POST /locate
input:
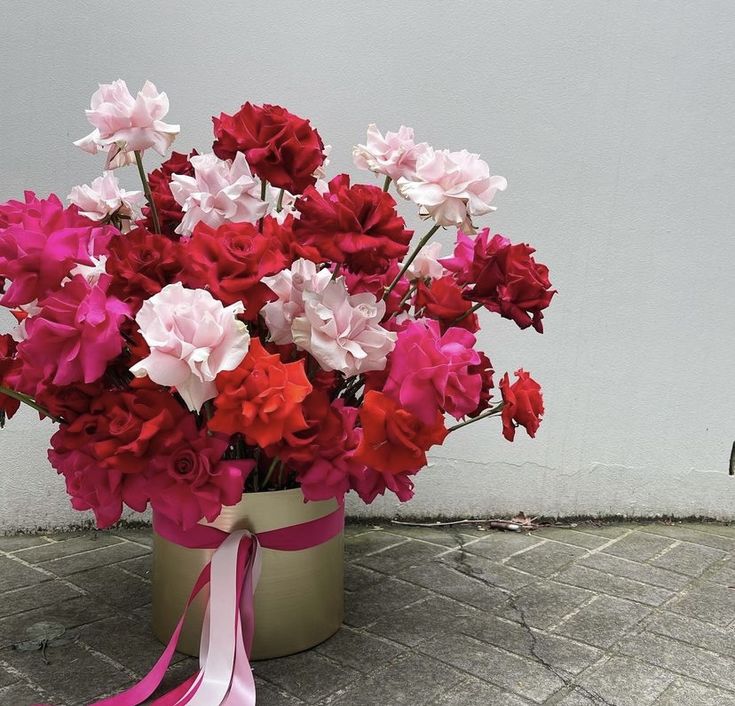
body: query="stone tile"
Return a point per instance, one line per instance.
(709, 602)
(356, 577)
(645, 573)
(724, 574)
(500, 545)
(638, 546)
(580, 697)
(69, 613)
(111, 585)
(140, 566)
(546, 559)
(614, 585)
(81, 561)
(403, 556)
(545, 603)
(422, 621)
(370, 542)
(718, 528)
(6, 678)
(474, 692)
(687, 534)
(489, 572)
(13, 574)
(448, 537)
(17, 542)
(21, 694)
(556, 652)
(269, 696)
(695, 632)
(522, 676)
(603, 622)
(140, 535)
(66, 547)
(689, 559)
(359, 650)
(308, 675)
(176, 674)
(571, 536)
(689, 693)
(30, 597)
(72, 674)
(684, 659)
(409, 681)
(608, 531)
(448, 582)
(368, 604)
(627, 682)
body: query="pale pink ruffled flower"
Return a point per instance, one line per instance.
(343, 331)
(426, 265)
(219, 191)
(192, 337)
(452, 187)
(394, 154)
(103, 197)
(123, 124)
(289, 286)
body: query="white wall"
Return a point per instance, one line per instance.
(613, 122)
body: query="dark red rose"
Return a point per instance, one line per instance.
(485, 370)
(523, 404)
(169, 211)
(68, 402)
(376, 284)
(230, 261)
(355, 225)
(141, 264)
(279, 146)
(442, 299)
(9, 364)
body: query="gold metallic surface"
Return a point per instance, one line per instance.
(299, 599)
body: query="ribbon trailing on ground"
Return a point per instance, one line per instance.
(225, 677)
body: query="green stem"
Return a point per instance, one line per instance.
(279, 202)
(411, 258)
(147, 191)
(268, 475)
(386, 183)
(406, 297)
(25, 399)
(490, 413)
(469, 311)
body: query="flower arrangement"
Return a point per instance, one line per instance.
(243, 323)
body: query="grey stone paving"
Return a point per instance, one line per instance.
(624, 615)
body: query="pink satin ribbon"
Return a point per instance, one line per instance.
(225, 677)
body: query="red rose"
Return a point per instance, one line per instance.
(523, 404)
(510, 282)
(261, 398)
(141, 264)
(370, 483)
(442, 299)
(280, 147)
(394, 440)
(9, 364)
(485, 370)
(168, 209)
(68, 402)
(358, 226)
(358, 282)
(230, 261)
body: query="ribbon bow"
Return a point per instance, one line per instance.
(225, 677)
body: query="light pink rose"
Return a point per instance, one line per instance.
(426, 265)
(343, 331)
(123, 124)
(192, 337)
(452, 187)
(394, 154)
(220, 190)
(103, 197)
(289, 286)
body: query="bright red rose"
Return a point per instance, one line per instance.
(370, 483)
(230, 261)
(394, 440)
(442, 299)
(9, 364)
(280, 147)
(261, 398)
(283, 234)
(510, 282)
(168, 209)
(142, 264)
(355, 225)
(523, 404)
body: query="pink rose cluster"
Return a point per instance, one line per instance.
(251, 324)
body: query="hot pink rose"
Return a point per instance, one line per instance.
(192, 337)
(394, 154)
(430, 372)
(452, 187)
(370, 483)
(76, 333)
(123, 124)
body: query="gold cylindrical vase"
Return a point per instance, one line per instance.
(299, 601)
